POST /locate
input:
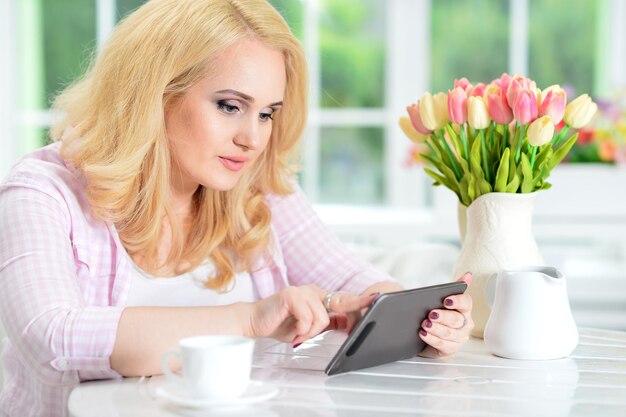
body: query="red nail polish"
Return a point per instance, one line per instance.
(428, 324)
(423, 332)
(434, 315)
(448, 302)
(296, 345)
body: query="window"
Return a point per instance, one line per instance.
(368, 59)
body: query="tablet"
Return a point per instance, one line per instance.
(388, 330)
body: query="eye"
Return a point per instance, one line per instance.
(266, 116)
(226, 107)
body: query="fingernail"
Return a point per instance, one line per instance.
(428, 324)
(296, 345)
(448, 302)
(423, 332)
(467, 274)
(374, 295)
(434, 315)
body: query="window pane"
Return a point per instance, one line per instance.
(469, 39)
(562, 43)
(69, 38)
(55, 42)
(352, 37)
(352, 161)
(292, 12)
(124, 7)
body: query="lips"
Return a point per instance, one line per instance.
(233, 163)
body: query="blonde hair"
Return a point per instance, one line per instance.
(113, 131)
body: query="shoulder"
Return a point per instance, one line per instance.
(43, 176)
(294, 198)
(45, 170)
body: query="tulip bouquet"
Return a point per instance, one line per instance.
(499, 137)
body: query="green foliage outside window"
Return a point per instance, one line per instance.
(468, 39)
(562, 39)
(352, 55)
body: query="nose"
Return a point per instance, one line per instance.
(248, 137)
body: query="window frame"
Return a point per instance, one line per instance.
(407, 75)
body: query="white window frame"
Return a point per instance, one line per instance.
(407, 76)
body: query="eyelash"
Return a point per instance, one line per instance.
(227, 108)
(268, 116)
(230, 109)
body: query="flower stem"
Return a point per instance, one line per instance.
(522, 132)
(484, 156)
(453, 162)
(464, 141)
(560, 136)
(532, 156)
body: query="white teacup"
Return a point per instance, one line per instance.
(214, 367)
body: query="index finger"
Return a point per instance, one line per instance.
(345, 302)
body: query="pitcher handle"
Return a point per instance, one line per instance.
(490, 290)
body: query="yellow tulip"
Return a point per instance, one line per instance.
(540, 131)
(434, 110)
(409, 130)
(477, 115)
(580, 111)
(441, 109)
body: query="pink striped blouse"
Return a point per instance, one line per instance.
(64, 279)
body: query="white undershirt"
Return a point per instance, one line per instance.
(185, 290)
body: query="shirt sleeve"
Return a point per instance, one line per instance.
(57, 334)
(312, 252)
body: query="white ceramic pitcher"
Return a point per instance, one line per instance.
(530, 314)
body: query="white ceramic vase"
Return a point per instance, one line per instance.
(498, 236)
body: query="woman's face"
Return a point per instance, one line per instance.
(222, 124)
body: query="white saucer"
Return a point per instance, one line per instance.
(256, 392)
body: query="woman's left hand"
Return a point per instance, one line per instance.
(446, 330)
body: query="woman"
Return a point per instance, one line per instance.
(168, 208)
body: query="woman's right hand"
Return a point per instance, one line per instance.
(296, 314)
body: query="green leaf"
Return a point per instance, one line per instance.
(465, 167)
(451, 179)
(458, 147)
(482, 186)
(502, 175)
(542, 170)
(438, 178)
(560, 153)
(527, 171)
(471, 188)
(545, 153)
(513, 185)
(546, 186)
(464, 186)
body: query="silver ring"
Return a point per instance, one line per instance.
(327, 299)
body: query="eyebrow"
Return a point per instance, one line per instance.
(245, 96)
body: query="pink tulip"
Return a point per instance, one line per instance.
(517, 84)
(416, 119)
(553, 104)
(457, 105)
(525, 107)
(498, 108)
(503, 82)
(478, 90)
(463, 83)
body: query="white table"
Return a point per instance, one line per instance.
(592, 382)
